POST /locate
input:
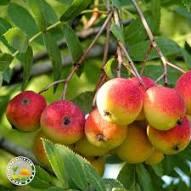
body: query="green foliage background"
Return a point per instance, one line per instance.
(51, 22)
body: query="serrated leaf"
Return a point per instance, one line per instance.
(144, 178)
(75, 9)
(72, 42)
(54, 54)
(43, 13)
(25, 22)
(17, 39)
(4, 2)
(4, 26)
(63, 160)
(42, 179)
(5, 60)
(118, 32)
(27, 59)
(127, 175)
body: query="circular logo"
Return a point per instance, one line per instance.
(20, 171)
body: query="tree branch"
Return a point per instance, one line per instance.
(16, 150)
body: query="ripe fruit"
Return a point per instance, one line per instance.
(171, 141)
(86, 149)
(119, 101)
(98, 163)
(163, 107)
(183, 86)
(102, 133)
(136, 148)
(39, 151)
(148, 82)
(155, 158)
(24, 111)
(63, 122)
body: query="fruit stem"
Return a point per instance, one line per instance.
(51, 85)
(85, 54)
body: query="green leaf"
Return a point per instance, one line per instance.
(43, 13)
(4, 2)
(74, 169)
(60, 189)
(155, 10)
(72, 42)
(42, 179)
(75, 9)
(144, 178)
(27, 59)
(168, 47)
(4, 26)
(112, 184)
(135, 32)
(120, 3)
(127, 175)
(25, 22)
(54, 54)
(84, 101)
(117, 32)
(17, 39)
(5, 60)
(109, 69)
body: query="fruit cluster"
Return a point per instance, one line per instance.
(136, 119)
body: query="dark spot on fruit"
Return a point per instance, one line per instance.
(25, 101)
(176, 148)
(107, 113)
(66, 120)
(179, 122)
(96, 157)
(100, 137)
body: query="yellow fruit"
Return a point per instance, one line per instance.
(155, 158)
(136, 148)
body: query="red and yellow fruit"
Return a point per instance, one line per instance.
(173, 140)
(63, 122)
(102, 133)
(24, 111)
(148, 82)
(183, 86)
(119, 101)
(163, 107)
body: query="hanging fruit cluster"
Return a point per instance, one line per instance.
(136, 119)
